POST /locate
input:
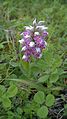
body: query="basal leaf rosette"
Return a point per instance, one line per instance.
(33, 40)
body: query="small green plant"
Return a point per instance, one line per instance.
(6, 95)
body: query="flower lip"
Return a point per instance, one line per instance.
(24, 57)
(27, 36)
(40, 56)
(26, 32)
(45, 33)
(38, 49)
(31, 44)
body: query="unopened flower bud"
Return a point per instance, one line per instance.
(41, 27)
(21, 41)
(34, 22)
(36, 33)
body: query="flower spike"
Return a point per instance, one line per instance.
(33, 40)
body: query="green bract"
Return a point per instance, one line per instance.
(43, 78)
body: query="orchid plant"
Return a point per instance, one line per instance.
(33, 40)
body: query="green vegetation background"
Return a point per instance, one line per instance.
(14, 15)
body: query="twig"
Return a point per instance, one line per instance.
(60, 112)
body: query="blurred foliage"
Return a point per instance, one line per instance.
(21, 82)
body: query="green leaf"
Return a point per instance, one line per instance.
(13, 76)
(25, 65)
(61, 71)
(27, 108)
(39, 97)
(43, 78)
(65, 106)
(12, 91)
(48, 56)
(50, 99)
(42, 112)
(19, 110)
(10, 114)
(57, 61)
(13, 64)
(54, 76)
(65, 109)
(1, 46)
(42, 65)
(2, 90)
(35, 106)
(6, 102)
